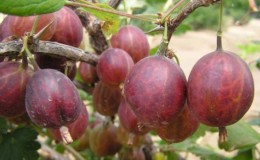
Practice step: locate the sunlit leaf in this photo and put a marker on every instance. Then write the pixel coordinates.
(111, 21)
(30, 7)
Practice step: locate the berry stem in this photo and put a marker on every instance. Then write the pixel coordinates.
(65, 134)
(25, 52)
(24, 61)
(219, 32)
(72, 151)
(223, 135)
(130, 140)
(164, 45)
(219, 43)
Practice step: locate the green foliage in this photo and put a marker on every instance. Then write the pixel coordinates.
(236, 8)
(206, 154)
(248, 49)
(240, 136)
(19, 144)
(244, 154)
(3, 125)
(202, 18)
(112, 21)
(205, 17)
(258, 64)
(208, 17)
(32, 7)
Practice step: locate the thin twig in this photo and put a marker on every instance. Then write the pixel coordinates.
(51, 153)
(123, 14)
(171, 10)
(185, 12)
(73, 151)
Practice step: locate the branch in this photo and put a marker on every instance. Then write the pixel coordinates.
(13, 48)
(186, 11)
(97, 38)
(114, 3)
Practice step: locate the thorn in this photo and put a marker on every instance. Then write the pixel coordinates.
(43, 30)
(156, 29)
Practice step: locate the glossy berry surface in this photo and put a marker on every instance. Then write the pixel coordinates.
(113, 66)
(52, 100)
(19, 25)
(129, 120)
(156, 90)
(220, 89)
(76, 128)
(69, 29)
(180, 129)
(106, 100)
(13, 80)
(133, 41)
(103, 140)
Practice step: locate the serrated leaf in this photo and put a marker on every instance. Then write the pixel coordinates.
(206, 154)
(19, 145)
(111, 21)
(241, 135)
(30, 7)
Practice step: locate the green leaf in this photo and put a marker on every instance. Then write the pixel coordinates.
(111, 21)
(3, 126)
(154, 6)
(153, 51)
(30, 7)
(241, 135)
(206, 154)
(201, 131)
(258, 64)
(19, 145)
(249, 49)
(172, 155)
(59, 148)
(244, 154)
